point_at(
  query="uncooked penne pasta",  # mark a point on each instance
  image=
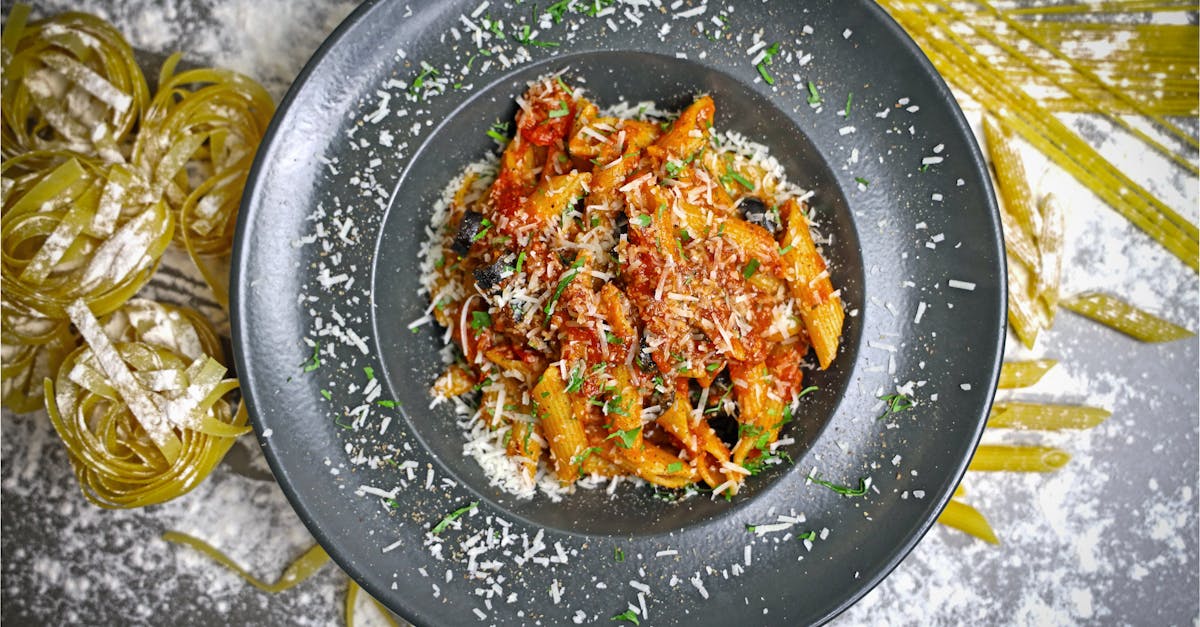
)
(967, 519)
(1002, 457)
(1124, 317)
(1050, 254)
(1022, 374)
(1017, 415)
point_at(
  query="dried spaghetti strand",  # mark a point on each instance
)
(141, 406)
(1126, 318)
(70, 83)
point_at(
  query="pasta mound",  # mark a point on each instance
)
(630, 297)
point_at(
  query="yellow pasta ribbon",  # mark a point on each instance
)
(141, 406)
(1124, 317)
(1017, 415)
(206, 121)
(1000, 457)
(70, 83)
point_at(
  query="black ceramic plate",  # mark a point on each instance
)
(340, 199)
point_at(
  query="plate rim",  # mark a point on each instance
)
(238, 272)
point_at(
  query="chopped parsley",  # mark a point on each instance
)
(370, 373)
(487, 225)
(712, 367)
(814, 97)
(526, 37)
(674, 467)
(809, 535)
(750, 269)
(480, 320)
(642, 220)
(562, 285)
(313, 362)
(733, 175)
(849, 99)
(327, 394)
(582, 457)
(806, 391)
(841, 489)
(451, 517)
(768, 55)
(386, 403)
(896, 403)
(861, 181)
(520, 262)
(562, 111)
(612, 339)
(627, 436)
(576, 382)
(419, 81)
(618, 554)
(627, 615)
(499, 132)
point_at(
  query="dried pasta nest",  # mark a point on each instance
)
(196, 146)
(142, 406)
(32, 348)
(70, 83)
(78, 229)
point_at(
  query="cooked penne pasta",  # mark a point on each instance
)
(625, 295)
(1015, 415)
(1002, 457)
(1124, 317)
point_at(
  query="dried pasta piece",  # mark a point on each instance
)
(79, 230)
(1001, 457)
(1124, 317)
(1050, 254)
(301, 569)
(197, 141)
(1017, 415)
(33, 348)
(1022, 374)
(967, 519)
(70, 83)
(141, 406)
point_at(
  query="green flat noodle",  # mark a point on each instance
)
(100, 70)
(1005, 458)
(301, 569)
(1022, 374)
(1016, 415)
(117, 462)
(1124, 317)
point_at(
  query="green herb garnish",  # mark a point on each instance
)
(576, 382)
(451, 517)
(674, 467)
(313, 362)
(627, 436)
(809, 535)
(480, 320)
(487, 225)
(520, 262)
(562, 110)
(849, 98)
(642, 220)
(861, 181)
(499, 132)
(806, 391)
(750, 269)
(627, 615)
(327, 394)
(896, 403)
(768, 55)
(562, 285)
(841, 489)
(386, 403)
(618, 554)
(814, 97)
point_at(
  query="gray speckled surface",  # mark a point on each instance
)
(1111, 538)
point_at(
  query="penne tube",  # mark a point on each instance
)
(1124, 317)
(1015, 415)
(1022, 309)
(1007, 458)
(1022, 374)
(555, 195)
(806, 273)
(1020, 217)
(679, 140)
(968, 520)
(563, 430)
(1050, 254)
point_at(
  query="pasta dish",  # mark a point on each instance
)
(627, 296)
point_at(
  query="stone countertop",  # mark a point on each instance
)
(1111, 538)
